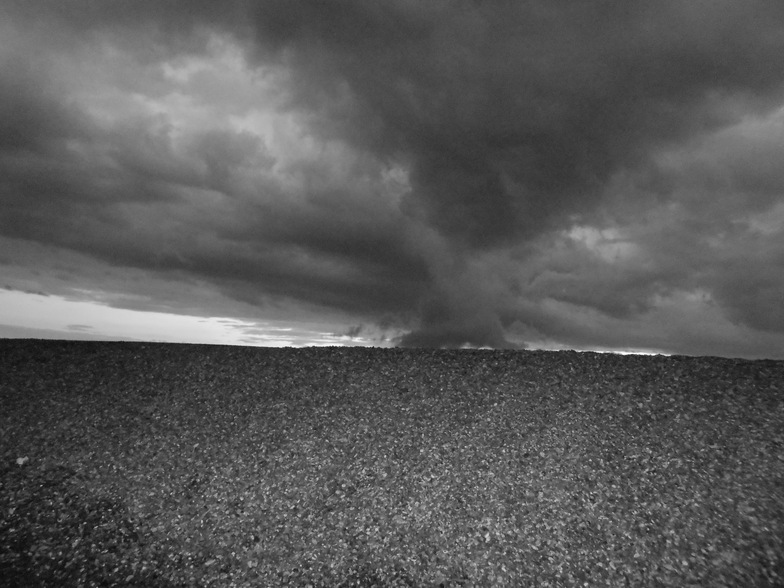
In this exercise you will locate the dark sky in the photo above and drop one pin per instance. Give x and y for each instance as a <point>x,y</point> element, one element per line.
<point>558,173</point>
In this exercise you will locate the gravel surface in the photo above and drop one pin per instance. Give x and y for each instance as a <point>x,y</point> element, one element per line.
<point>161,465</point>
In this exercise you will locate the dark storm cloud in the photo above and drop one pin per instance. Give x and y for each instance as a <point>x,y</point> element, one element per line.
<point>513,124</point>
<point>35,293</point>
<point>129,196</point>
<point>31,115</point>
<point>515,113</point>
<point>514,116</point>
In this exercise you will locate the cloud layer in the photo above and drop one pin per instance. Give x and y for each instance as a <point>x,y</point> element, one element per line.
<point>602,175</point>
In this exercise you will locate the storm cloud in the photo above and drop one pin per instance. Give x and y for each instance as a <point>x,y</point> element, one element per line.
<point>502,174</point>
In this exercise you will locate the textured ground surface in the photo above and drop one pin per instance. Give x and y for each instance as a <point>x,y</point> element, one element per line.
<point>170,465</point>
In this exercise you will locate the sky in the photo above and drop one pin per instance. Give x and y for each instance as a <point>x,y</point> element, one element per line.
<point>541,174</point>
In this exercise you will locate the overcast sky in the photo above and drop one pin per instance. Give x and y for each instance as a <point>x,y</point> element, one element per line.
<point>504,173</point>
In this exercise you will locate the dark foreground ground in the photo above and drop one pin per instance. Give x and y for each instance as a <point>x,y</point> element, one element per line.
<point>159,465</point>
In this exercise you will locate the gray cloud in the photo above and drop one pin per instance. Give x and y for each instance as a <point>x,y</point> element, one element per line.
<point>516,116</point>
<point>525,108</point>
<point>467,170</point>
<point>78,328</point>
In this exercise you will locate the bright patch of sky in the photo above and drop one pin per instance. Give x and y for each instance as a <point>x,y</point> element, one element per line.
<point>55,313</point>
<point>608,244</point>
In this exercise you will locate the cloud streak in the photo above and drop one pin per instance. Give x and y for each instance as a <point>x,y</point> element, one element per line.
<point>456,173</point>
